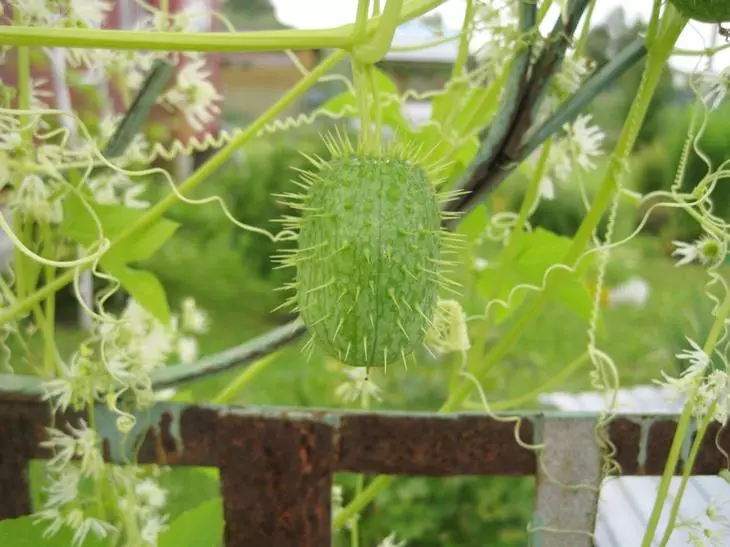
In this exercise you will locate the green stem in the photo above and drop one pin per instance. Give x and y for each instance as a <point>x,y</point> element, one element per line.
<point>463,54</point>
<point>682,428</point>
<point>532,395</point>
<point>20,261</point>
<point>359,487</point>
<point>358,31</point>
<point>696,445</point>
<point>360,502</point>
<point>363,96</point>
<point>155,213</point>
<point>543,11</point>
<point>228,393</point>
<point>375,49</point>
<point>276,40</point>
<point>49,353</point>
<point>583,40</point>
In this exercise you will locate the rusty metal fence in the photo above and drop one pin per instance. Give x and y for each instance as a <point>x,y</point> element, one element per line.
<point>276,465</point>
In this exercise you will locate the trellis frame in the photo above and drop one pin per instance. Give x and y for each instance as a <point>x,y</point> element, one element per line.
<point>276,464</point>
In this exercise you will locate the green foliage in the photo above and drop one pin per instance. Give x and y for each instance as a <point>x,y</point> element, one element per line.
<point>452,512</point>
<point>199,527</point>
<point>538,252</point>
<point>708,11</point>
<point>26,532</point>
<point>80,226</point>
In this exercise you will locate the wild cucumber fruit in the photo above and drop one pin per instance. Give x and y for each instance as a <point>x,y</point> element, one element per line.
<point>708,11</point>
<point>369,253</point>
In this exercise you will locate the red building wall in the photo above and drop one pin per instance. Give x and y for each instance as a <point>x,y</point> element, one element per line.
<point>124,15</point>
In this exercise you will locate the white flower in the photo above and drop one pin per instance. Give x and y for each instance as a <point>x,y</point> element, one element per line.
<point>82,442</point>
<point>33,198</point>
<point>63,488</point>
<point>130,197</point>
<point>194,95</point>
<point>586,141</point>
<point>153,526</point>
<point>717,86</point>
<point>571,75</point>
<point>692,375</point>
<point>83,525</point>
<point>448,331</point>
<point>357,386</point>
<point>715,389</point>
<point>686,252</point>
<point>480,264</point>
<point>34,12</point>
<point>635,292</point>
<point>187,349</point>
<point>91,13</point>
<point>547,188</point>
<point>150,493</point>
<point>52,514</point>
<point>193,319</point>
<point>390,541</point>
<point>708,250</point>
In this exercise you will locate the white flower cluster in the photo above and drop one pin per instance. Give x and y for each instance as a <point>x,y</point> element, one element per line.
<point>708,250</point>
<point>130,349</point>
<point>579,148</point>
<point>358,386</point>
<point>707,388</point>
<point>448,331</point>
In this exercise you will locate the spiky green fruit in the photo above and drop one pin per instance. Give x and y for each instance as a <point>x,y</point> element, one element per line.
<point>708,11</point>
<point>369,254</point>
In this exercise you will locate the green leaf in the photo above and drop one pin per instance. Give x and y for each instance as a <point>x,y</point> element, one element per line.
<point>199,527</point>
<point>79,225</point>
<point>540,251</point>
<point>21,532</point>
<point>188,488</point>
<point>143,286</point>
<point>474,223</point>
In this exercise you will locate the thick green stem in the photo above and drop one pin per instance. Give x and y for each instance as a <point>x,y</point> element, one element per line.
<point>155,213</point>
<point>277,40</point>
<point>682,428</point>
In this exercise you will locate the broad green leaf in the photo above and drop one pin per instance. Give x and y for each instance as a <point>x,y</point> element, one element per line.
<point>79,225</point>
<point>21,532</point>
<point>143,286</point>
<point>540,251</point>
<point>188,488</point>
<point>199,527</point>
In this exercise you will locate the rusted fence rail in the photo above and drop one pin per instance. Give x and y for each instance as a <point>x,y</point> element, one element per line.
<point>276,465</point>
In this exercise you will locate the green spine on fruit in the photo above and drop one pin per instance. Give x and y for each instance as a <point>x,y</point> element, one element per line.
<point>368,261</point>
<point>707,11</point>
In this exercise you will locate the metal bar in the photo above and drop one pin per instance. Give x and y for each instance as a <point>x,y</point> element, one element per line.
<point>276,481</point>
<point>14,457</point>
<point>568,481</point>
<point>436,447</point>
